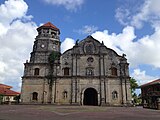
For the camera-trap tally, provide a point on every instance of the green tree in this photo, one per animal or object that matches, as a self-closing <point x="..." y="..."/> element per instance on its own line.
<point x="136" y="99"/>
<point x="53" y="60"/>
<point x="133" y="84"/>
<point x="53" y="57"/>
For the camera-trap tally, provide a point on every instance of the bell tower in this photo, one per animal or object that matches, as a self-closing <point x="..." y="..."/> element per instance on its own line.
<point x="43" y="63"/>
<point x="46" y="42"/>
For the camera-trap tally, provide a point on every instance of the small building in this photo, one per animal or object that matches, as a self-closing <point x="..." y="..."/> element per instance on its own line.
<point x="151" y="94"/>
<point x="8" y="96"/>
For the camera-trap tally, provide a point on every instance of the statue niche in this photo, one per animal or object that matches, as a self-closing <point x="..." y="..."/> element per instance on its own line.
<point x="89" y="48"/>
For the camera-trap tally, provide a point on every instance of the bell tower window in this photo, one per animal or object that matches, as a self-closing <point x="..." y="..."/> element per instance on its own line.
<point x="36" y="71"/>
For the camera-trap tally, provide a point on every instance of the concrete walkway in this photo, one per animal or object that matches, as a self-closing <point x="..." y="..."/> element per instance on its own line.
<point x="51" y="112"/>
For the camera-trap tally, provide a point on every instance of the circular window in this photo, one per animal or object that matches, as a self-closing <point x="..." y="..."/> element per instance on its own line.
<point x="90" y="60"/>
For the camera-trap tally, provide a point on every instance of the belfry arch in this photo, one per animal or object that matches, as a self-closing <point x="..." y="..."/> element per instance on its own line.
<point x="90" y="97"/>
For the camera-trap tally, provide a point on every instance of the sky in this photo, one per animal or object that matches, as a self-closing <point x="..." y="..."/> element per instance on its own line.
<point x="131" y="27"/>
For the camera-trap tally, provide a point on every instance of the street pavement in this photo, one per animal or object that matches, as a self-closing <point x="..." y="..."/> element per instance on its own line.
<point x="52" y="112"/>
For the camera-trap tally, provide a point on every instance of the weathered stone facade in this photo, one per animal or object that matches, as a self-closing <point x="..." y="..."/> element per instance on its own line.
<point x="88" y="74"/>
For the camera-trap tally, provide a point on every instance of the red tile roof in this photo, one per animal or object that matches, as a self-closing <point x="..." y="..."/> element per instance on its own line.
<point x="151" y="83"/>
<point x="5" y="91"/>
<point x="49" y="25"/>
<point x="5" y="86"/>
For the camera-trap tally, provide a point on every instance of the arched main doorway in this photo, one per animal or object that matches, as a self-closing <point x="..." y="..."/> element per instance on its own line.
<point x="90" y="97"/>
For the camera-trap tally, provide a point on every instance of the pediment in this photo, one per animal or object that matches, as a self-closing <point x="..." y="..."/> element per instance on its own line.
<point x="91" y="46"/>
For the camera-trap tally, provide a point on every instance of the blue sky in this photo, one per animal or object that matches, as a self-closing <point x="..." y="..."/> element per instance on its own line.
<point x="100" y="15"/>
<point x="127" y="26"/>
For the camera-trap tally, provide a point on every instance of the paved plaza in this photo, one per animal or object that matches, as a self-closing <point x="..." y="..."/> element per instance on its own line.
<point x="51" y="112"/>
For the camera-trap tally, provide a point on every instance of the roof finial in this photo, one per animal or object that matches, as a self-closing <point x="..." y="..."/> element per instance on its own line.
<point x="102" y="43"/>
<point x="124" y="55"/>
<point x="77" y="41"/>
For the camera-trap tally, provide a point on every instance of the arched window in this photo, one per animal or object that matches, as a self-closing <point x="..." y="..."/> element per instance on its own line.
<point x="65" y="94"/>
<point x="114" y="95"/>
<point x="36" y="71"/>
<point x="66" y="71"/>
<point x="89" y="71"/>
<point x="114" y="71"/>
<point x="34" y="96"/>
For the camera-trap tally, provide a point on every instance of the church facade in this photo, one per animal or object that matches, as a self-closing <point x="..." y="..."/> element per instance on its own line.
<point x="87" y="74"/>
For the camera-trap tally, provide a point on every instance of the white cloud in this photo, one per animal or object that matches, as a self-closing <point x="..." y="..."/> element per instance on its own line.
<point x="143" y="51"/>
<point x="122" y="15"/>
<point x="67" y="44"/>
<point x="149" y="11"/>
<point x="16" y="39"/>
<point x="3" y="29"/>
<point x="121" y="43"/>
<point x="68" y="4"/>
<point x="142" y="77"/>
<point x="87" y="29"/>
<point x="13" y="9"/>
